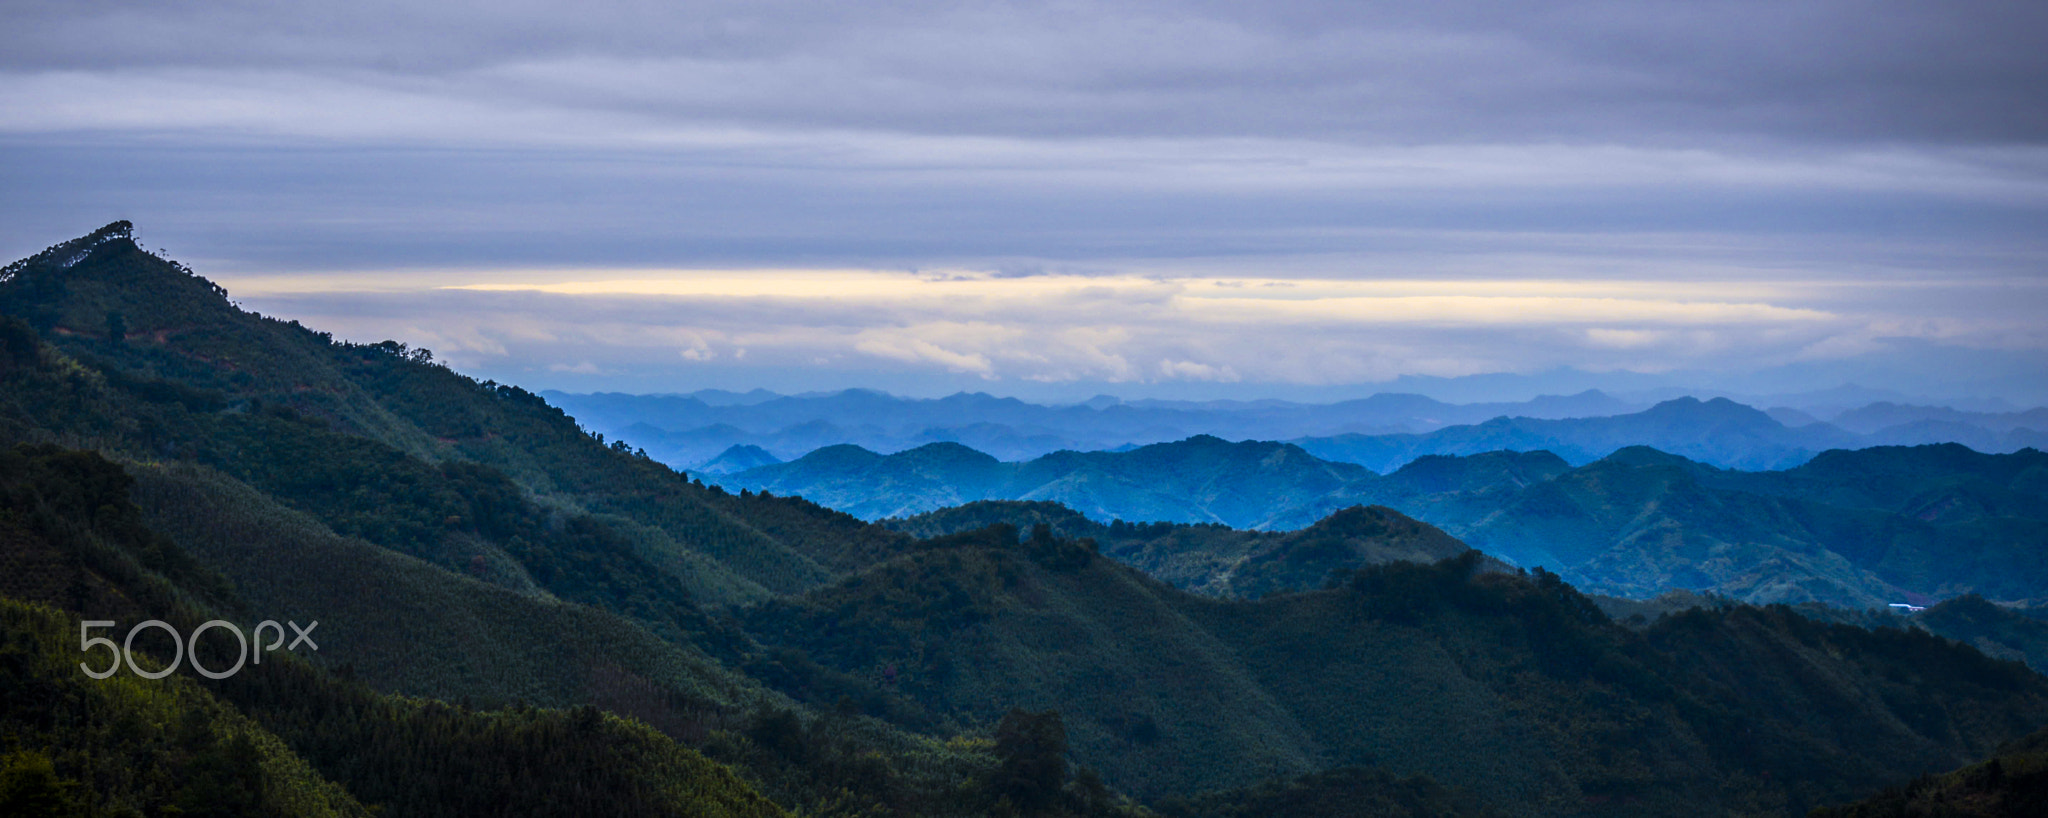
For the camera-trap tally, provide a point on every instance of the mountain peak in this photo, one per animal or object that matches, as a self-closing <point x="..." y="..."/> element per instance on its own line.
<point x="68" y="254"/>
<point x="949" y="452"/>
<point x="1363" y="521"/>
<point x="1642" y="456"/>
<point x="737" y="458"/>
<point x="1721" y="409"/>
<point x="83" y="285"/>
<point x="838" y="455"/>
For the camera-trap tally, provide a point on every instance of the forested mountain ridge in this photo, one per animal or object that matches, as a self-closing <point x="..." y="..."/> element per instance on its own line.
<point x="191" y="376"/>
<point x="1850" y="528"/>
<point x="1856" y="529"/>
<point x="575" y="629"/>
<point x="1220" y="561"/>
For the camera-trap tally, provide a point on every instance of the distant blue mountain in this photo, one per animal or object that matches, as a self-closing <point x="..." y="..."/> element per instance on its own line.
<point x="1382" y="432"/>
<point x="689" y="430"/>
<point x="739" y="458"/>
<point x="1719" y="431"/>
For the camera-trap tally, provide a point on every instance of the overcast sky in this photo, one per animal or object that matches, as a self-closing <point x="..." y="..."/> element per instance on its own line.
<point x="1058" y="199"/>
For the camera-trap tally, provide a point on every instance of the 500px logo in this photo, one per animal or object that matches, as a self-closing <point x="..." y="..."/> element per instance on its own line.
<point x="125" y="652"/>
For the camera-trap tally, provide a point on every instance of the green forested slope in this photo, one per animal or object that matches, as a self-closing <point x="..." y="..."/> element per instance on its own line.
<point x="413" y="628"/>
<point x="71" y="537"/>
<point x="131" y="746"/>
<point x="975" y="623"/>
<point x="270" y="738"/>
<point x="192" y="377"/>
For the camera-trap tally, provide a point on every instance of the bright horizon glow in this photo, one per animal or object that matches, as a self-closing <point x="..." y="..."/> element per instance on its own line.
<point x="1234" y="300"/>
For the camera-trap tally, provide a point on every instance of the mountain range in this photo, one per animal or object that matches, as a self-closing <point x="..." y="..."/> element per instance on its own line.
<point x="1857" y="528"/>
<point x="1383" y="432"/>
<point x="517" y="617"/>
<point x="688" y="430"/>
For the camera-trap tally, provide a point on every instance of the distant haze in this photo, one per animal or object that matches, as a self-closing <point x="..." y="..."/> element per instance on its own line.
<point x="725" y="433"/>
<point x="1479" y="201"/>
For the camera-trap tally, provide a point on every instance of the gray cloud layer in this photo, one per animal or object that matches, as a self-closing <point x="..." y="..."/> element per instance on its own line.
<point x="1882" y="163"/>
<point x="1601" y="71"/>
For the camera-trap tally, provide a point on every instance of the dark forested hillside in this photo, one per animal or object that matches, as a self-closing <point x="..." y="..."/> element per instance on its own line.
<point x="281" y="738"/>
<point x="2013" y="783"/>
<point x="1408" y="668"/>
<point x="517" y="617"/>
<point x="2019" y="634"/>
<point x="1216" y="559"/>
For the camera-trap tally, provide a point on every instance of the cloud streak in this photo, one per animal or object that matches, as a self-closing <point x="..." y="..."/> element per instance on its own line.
<point x="1116" y="330"/>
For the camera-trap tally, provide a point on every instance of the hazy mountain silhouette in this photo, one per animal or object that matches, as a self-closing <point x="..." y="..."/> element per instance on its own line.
<point x="687" y="430"/>
<point x="1383" y="432"/>
<point x="739" y="458"/>
<point x="1719" y="431"/>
